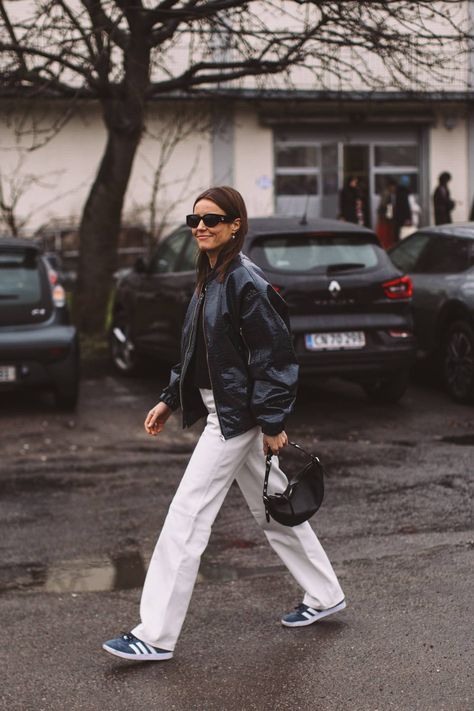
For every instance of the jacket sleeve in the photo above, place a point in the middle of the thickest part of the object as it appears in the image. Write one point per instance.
(170, 395)
(272, 364)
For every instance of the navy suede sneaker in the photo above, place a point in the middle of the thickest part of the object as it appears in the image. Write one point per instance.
(130, 647)
(305, 615)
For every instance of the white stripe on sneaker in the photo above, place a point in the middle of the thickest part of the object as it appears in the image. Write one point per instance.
(151, 649)
(312, 611)
(135, 649)
(142, 647)
(307, 615)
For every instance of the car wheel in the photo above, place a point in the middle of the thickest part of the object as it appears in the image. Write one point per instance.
(122, 350)
(388, 388)
(458, 361)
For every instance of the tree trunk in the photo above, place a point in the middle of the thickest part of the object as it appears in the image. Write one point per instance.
(124, 117)
(99, 231)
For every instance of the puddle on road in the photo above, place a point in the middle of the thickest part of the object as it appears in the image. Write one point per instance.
(123, 572)
(464, 439)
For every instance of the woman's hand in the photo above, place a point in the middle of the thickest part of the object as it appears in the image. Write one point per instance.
(274, 443)
(156, 418)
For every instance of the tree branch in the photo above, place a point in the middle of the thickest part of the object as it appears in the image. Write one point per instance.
(102, 22)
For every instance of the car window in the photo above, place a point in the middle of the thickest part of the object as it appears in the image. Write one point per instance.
(187, 260)
(304, 253)
(166, 256)
(444, 255)
(20, 279)
(405, 255)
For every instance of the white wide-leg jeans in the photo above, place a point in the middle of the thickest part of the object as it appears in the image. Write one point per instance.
(173, 568)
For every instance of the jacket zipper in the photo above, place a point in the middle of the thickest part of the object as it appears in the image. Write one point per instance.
(247, 347)
(183, 372)
(207, 360)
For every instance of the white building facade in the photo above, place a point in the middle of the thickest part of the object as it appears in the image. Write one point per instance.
(288, 151)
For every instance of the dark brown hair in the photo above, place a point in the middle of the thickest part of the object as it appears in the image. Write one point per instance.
(232, 202)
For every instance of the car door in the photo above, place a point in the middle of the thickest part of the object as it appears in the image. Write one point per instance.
(161, 298)
(436, 281)
(433, 261)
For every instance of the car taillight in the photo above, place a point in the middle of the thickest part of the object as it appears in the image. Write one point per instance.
(59, 296)
(401, 288)
(277, 288)
(53, 277)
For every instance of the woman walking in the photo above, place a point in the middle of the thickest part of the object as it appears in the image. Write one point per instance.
(238, 369)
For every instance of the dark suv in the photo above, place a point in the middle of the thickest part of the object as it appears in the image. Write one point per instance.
(350, 308)
(38, 346)
(440, 260)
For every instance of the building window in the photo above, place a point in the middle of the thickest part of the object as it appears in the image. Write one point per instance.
(297, 177)
(296, 184)
(400, 156)
(296, 169)
(393, 161)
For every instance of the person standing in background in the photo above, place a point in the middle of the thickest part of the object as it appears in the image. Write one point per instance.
(394, 211)
(443, 205)
(385, 212)
(351, 204)
(402, 211)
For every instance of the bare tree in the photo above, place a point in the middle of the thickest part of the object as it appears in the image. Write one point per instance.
(124, 53)
(165, 192)
(15, 186)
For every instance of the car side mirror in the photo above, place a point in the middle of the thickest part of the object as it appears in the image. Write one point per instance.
(140, 265)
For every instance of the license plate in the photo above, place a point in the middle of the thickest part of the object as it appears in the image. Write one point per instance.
(7, 373)
(334, 341)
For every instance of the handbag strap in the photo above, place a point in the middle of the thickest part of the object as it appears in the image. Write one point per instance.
(268, 464)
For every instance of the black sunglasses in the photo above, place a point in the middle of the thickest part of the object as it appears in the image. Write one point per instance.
(210, 219)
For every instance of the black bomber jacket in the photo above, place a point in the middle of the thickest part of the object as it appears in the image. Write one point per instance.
(252, 363)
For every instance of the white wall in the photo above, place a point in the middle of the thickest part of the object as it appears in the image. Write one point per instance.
(449, 152)
(53, 181)
(187, 172)
(253, 162)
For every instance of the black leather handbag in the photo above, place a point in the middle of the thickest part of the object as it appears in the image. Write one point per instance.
(302, 497)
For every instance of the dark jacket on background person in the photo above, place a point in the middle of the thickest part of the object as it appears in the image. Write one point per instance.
(252, 364)
(443, 205)
(402, 209)
(348, 203)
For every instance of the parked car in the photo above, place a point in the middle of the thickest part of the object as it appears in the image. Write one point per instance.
(440, 261)
(38, 346)
(350, 308)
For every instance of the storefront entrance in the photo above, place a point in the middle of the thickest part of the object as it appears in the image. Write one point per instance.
(310, 170)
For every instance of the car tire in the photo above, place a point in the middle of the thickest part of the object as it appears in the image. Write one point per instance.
(122, 350)
(388, 388)
(458, 361)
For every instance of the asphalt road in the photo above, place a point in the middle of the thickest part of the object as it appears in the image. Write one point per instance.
(83, 497)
